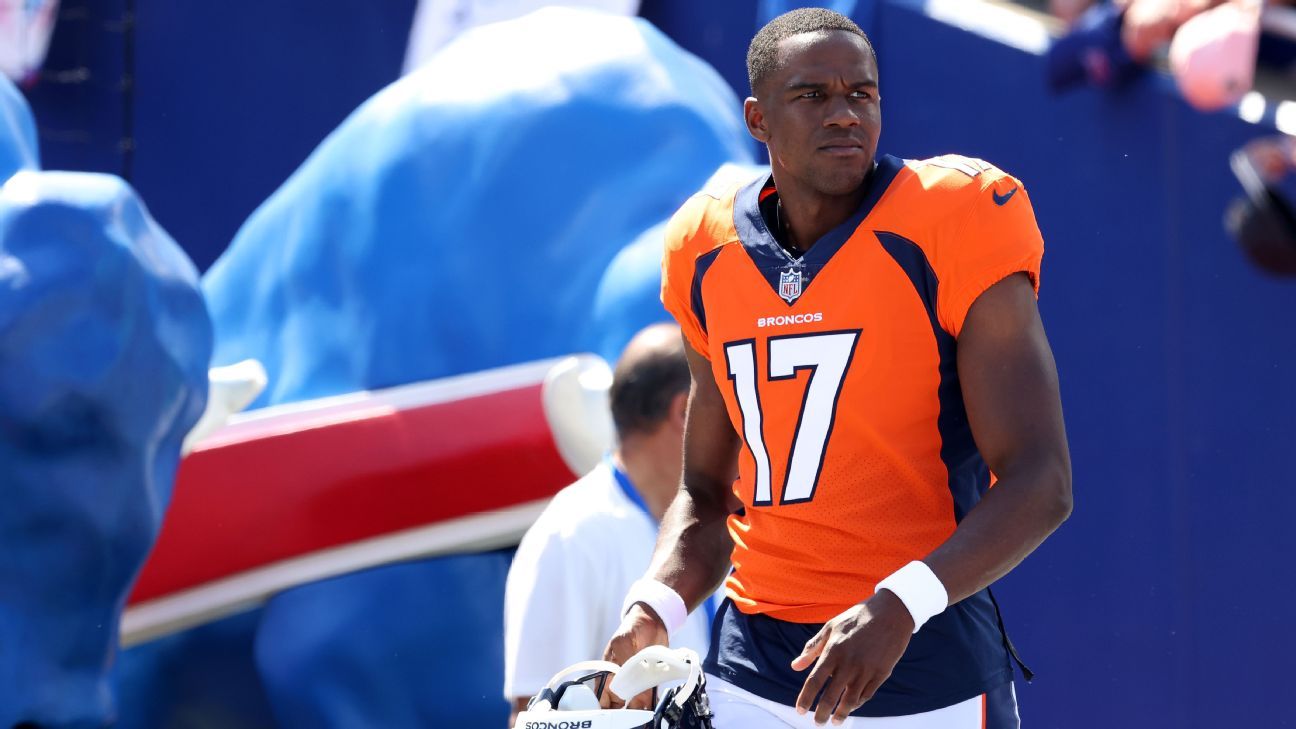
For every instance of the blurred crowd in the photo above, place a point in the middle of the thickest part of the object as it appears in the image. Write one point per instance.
(1211, 49)
(1211, 45)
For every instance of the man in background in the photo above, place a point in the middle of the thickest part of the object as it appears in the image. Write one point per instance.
(576, 563)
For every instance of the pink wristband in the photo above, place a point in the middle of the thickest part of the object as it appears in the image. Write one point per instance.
(664, 601)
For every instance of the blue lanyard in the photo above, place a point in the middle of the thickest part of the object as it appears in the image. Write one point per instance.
(627, 487)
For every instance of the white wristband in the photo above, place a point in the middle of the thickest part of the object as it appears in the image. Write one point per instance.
(919, 589)
(664, 601)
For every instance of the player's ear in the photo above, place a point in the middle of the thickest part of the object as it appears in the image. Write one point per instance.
(678, 411)
(755, 118)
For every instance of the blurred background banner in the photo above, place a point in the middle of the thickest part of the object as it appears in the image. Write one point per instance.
(498, 207)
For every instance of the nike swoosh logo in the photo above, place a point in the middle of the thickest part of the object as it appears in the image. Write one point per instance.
(1002, 200)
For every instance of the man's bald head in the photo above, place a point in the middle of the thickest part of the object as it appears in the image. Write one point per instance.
(651, 373)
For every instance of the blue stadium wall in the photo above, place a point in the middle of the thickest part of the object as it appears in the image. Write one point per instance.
(1162, 602)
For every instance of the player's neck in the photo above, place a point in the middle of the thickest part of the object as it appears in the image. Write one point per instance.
(808, 215)
(655, 477)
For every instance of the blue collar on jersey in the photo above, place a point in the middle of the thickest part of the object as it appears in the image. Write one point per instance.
(628, 488)
(770, 257)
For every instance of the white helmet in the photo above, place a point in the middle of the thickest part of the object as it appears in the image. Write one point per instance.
(573, 703)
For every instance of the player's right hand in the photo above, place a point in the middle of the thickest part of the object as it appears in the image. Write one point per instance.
(639, 629)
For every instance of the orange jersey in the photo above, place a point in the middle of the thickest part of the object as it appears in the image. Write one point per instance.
(838, 371)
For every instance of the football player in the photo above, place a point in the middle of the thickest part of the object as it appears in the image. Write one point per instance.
(865, 344)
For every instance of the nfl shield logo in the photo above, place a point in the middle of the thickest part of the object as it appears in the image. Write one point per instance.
(790, 283)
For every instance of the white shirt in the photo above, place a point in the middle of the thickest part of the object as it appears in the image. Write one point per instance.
(562, 601)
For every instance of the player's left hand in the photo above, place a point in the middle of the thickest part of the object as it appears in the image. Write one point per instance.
(857, 650)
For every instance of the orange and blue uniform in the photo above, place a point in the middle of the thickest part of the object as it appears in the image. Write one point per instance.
(838, 370)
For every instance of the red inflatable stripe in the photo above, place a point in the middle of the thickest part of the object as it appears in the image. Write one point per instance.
(315, 477)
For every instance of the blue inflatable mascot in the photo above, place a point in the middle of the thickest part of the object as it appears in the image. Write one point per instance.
(104, 348)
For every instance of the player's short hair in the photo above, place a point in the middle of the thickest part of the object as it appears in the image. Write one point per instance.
(762, 54)
(643, 387)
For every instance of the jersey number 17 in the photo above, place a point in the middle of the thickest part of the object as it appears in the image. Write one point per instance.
(827, 355)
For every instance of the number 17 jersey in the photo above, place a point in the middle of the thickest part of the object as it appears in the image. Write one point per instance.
(838, 371)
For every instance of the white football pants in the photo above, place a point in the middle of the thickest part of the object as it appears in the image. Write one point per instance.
(736, 708)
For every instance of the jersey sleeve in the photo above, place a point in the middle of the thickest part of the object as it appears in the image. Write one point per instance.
(679, 263)
(998, 237)
(551, 610)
